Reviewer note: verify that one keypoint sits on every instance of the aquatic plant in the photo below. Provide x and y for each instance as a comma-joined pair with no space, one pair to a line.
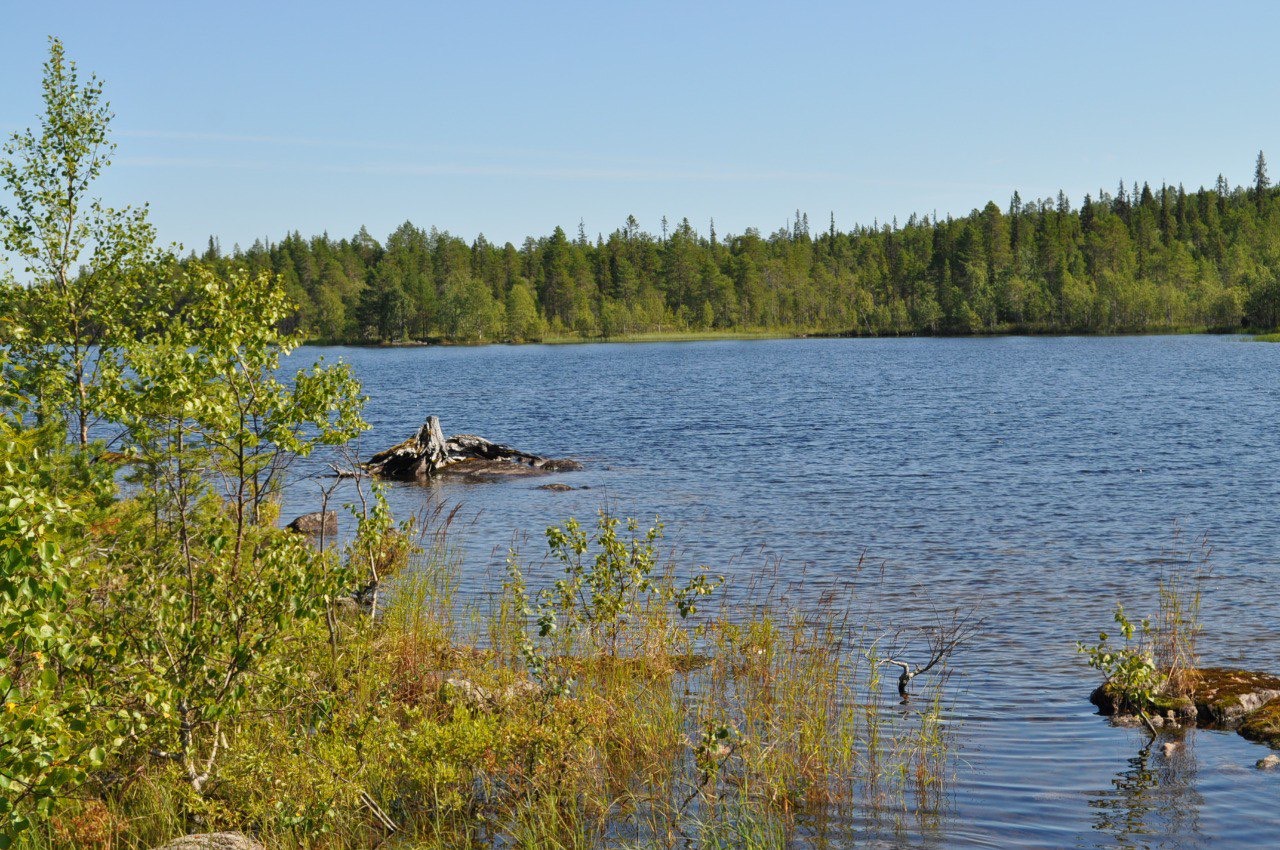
1157,666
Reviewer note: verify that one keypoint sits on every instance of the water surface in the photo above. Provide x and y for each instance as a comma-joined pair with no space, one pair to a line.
1038,479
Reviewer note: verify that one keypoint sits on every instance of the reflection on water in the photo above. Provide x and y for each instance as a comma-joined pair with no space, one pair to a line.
1032,479
1154,801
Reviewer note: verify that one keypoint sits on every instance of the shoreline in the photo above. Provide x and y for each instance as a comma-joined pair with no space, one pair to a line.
748,336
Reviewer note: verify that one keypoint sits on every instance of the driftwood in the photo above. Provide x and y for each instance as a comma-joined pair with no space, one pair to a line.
428,454
942,641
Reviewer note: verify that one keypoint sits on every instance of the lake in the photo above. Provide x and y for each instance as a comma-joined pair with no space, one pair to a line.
1038,480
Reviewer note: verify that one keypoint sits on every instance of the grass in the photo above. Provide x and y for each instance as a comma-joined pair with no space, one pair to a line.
1178,625
1157,667
1271,337
679,336
442,725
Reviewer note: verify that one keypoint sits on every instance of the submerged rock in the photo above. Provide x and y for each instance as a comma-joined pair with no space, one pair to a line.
1112,703
554,488
1271,762
428,454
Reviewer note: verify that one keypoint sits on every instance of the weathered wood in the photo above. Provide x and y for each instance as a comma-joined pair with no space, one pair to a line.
428,454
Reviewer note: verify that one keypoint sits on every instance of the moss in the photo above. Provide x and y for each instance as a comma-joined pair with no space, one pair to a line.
1180,706
1223,695
1263,725
1111,702
1219,696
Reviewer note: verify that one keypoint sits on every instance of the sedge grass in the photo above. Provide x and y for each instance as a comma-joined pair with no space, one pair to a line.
740,727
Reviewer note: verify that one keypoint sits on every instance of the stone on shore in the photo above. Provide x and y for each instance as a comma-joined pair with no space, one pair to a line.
485,700
212,841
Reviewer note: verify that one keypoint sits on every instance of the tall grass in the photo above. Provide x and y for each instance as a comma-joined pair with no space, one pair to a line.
742,726
1178,625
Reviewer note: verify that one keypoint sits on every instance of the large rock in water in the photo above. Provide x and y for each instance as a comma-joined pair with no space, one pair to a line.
315,524
1225,696
428,453
212,841
1220,698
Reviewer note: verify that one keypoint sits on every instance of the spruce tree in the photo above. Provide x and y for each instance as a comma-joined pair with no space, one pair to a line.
1260,180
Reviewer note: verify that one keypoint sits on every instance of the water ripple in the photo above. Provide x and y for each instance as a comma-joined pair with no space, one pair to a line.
1038,479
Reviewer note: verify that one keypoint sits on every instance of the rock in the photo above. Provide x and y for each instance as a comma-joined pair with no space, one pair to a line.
554,488
212,841
1271,762
1169,748
468,693
1224,696
1221,698
1112,704
428,454
358,601
1263,724
316,524
347,606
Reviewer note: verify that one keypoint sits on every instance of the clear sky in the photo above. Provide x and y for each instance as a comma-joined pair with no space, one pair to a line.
250,119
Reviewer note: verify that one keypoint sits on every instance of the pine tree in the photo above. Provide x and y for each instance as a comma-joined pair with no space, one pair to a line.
1260,180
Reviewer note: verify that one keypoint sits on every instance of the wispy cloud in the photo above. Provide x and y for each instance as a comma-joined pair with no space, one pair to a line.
378,145
456,169
278,141
580,173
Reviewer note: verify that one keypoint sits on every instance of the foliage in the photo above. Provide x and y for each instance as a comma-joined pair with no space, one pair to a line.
209,589
1130,669
86,262
48,739
201,402
380,548
609,581
141,626
468,310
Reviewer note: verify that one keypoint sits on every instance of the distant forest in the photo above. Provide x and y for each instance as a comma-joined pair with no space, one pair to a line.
1137,260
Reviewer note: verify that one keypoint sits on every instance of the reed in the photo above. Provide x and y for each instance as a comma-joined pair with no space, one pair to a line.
607,710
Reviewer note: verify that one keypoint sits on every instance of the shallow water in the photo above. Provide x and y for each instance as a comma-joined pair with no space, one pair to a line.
1039,480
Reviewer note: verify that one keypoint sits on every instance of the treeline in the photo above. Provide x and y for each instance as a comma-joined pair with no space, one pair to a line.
1136,260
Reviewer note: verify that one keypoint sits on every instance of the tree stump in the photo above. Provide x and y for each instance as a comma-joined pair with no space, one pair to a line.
428,454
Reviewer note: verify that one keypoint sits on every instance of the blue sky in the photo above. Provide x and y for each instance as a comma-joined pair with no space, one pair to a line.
247,120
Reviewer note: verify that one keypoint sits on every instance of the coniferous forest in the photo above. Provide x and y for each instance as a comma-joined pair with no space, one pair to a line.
1136,260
